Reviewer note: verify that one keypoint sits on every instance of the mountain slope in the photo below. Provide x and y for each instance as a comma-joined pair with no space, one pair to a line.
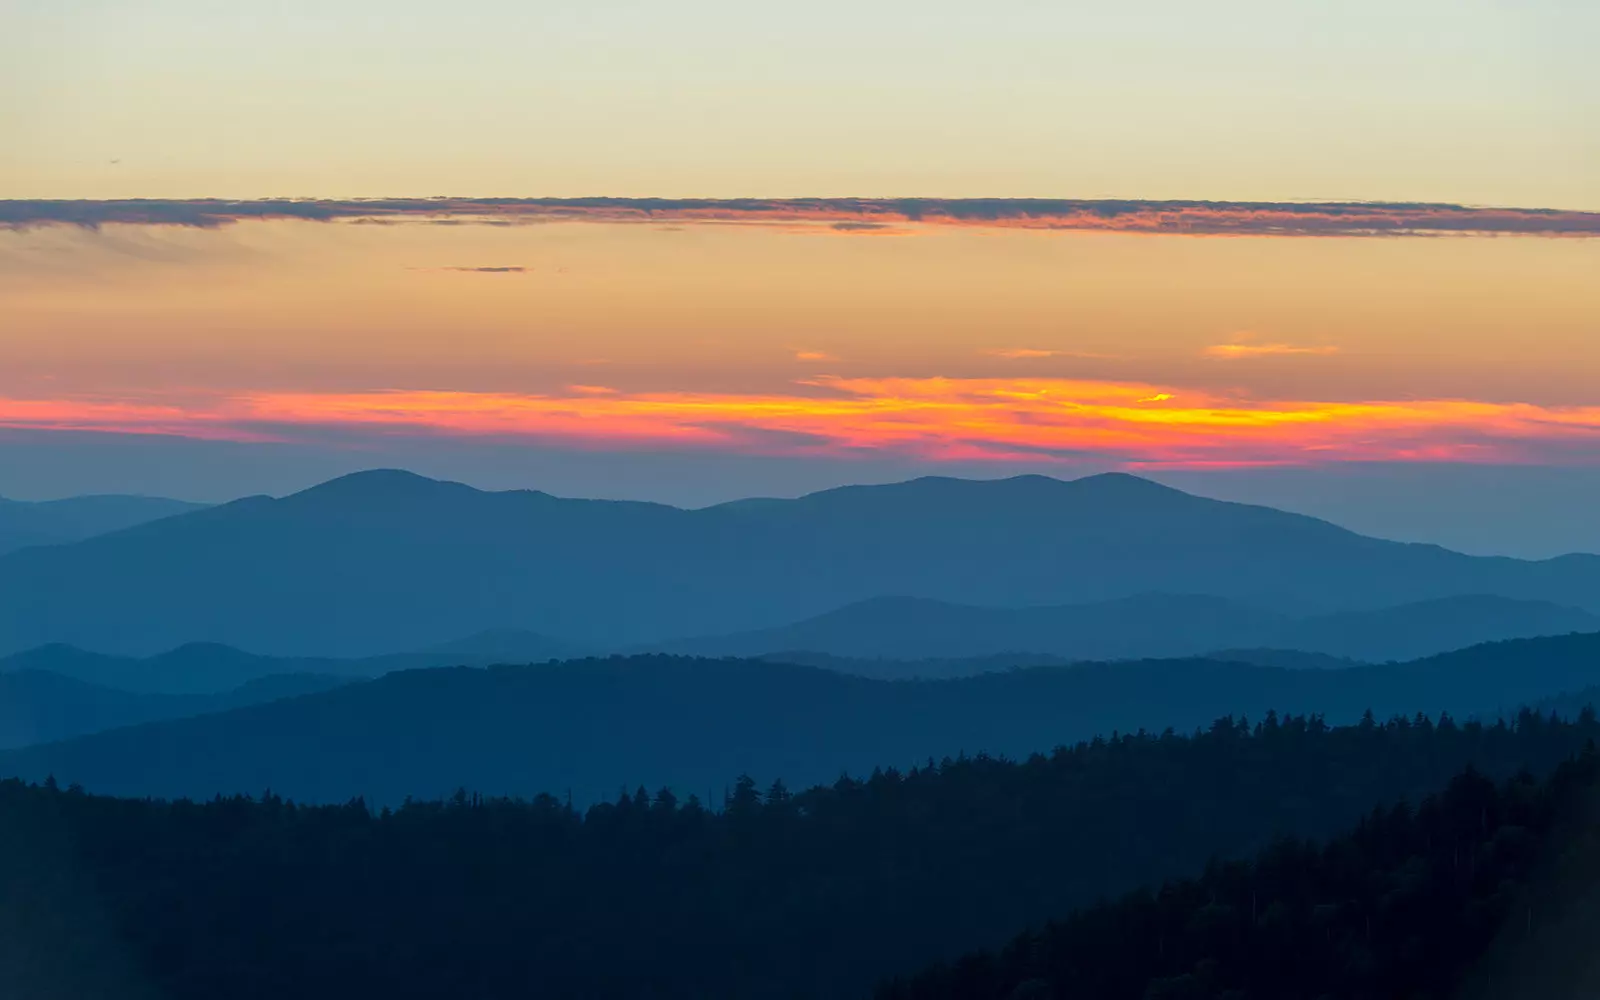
56,522
1390,909
907,628
1146,626
39,707
211,668
387,560
1427,627
593,726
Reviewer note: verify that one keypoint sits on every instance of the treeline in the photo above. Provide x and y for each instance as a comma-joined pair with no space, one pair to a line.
1407,906
772,894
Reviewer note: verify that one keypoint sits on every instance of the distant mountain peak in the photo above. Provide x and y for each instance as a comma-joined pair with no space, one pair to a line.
382,485
1124,479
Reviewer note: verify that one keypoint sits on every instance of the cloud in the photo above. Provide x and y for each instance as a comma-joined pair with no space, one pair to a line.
924,419
1034,353
1021,353
497,269
844,215
1248,350
814,356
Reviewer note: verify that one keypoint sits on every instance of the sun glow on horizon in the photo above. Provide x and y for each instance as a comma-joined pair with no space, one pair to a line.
971,419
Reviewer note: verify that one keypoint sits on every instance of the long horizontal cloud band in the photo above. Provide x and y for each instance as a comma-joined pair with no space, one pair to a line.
934,418
845,214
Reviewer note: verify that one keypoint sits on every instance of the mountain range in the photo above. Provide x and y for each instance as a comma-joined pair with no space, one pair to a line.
383,561
588,727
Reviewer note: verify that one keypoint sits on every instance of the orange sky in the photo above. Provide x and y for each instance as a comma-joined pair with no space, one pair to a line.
939,342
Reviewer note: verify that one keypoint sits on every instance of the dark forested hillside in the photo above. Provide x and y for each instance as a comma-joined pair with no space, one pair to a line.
386,560
778,893
1404,906
590,725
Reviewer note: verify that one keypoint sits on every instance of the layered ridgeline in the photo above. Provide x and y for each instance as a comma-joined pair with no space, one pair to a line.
910,637
1150,625
37,706
820,893
587,727
387,560
58,692
57,522
211,668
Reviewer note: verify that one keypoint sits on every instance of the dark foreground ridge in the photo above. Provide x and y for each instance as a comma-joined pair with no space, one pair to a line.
1404,906
818,894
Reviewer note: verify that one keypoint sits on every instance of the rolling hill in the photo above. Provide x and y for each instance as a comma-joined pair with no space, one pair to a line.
56,522
387,560
210,668
593,726
39,707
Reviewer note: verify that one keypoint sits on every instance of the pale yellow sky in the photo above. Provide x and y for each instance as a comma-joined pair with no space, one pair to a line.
1472,101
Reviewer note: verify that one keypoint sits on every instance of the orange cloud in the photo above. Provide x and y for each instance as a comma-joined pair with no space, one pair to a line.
1245,350
814,356
934,418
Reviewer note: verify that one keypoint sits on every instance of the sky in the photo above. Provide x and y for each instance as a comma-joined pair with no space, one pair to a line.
810,265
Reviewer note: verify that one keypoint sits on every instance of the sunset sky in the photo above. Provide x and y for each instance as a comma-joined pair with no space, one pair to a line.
693,351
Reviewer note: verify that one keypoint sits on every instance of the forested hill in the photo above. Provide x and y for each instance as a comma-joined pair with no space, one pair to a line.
1405,906
820,893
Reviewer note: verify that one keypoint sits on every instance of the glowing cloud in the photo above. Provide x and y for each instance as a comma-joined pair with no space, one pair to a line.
1248,350
814,356
934,418
1021,353
1036,353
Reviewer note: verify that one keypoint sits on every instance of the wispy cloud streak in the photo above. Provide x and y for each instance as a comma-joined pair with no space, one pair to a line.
1245,350
843,215
1136,424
